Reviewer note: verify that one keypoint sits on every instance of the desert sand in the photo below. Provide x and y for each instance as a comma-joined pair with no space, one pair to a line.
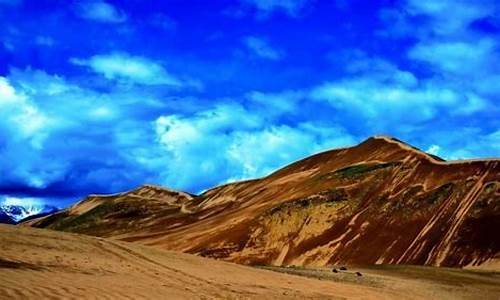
45,264
418,281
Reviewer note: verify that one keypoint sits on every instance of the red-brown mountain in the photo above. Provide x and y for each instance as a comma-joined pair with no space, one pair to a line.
380,202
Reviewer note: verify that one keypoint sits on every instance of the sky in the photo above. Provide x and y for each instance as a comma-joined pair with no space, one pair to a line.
102,96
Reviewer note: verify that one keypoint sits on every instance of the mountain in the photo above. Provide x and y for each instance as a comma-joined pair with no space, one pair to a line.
17,213
380,202
5,218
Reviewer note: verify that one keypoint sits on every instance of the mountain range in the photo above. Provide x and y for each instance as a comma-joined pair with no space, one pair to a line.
12,214
380,202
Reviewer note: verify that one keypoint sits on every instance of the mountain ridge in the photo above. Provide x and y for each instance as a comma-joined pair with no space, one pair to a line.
379,202
12,214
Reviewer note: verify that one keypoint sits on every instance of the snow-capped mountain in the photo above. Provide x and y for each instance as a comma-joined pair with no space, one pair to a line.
21,212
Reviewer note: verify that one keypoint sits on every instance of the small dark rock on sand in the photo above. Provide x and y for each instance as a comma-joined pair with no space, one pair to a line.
358,274
343,268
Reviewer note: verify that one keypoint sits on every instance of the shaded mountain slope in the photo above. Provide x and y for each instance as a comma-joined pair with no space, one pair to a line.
5,218
382,201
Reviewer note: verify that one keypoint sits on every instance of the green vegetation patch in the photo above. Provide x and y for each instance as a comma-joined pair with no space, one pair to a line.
329,197
93,217
414,202
361,169
334,195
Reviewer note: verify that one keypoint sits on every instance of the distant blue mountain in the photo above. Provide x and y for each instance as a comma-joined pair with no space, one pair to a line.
5,218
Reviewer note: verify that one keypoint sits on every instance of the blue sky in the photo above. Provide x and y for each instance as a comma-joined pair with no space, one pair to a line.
102,96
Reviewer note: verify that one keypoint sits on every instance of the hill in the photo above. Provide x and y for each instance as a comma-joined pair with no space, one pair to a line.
380,202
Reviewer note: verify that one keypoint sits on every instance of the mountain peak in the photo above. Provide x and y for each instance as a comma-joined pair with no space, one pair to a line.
391,141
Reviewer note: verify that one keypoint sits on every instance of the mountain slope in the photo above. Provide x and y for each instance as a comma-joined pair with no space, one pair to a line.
382,201
5,218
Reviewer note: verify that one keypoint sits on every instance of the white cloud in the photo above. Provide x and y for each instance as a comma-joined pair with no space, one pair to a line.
468,142
434,150
451,54
7,92
26,128
450,16
18,201
260,153
456,57
134,69
360,64
261,48
447,41
276,103
385,103
229,142
379,94
52,130
18,113
100,11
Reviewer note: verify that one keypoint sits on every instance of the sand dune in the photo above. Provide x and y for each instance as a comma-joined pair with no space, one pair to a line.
44,264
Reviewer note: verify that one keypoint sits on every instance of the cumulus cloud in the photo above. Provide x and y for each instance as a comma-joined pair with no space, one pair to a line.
261,48
458,62
260,153
457,57
24,130
230,142
433,149
99,11
277,103
93,141
385,103
124,120
447,41
468,142
24,201
128,68
450,17
20,115
381,94
59,140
